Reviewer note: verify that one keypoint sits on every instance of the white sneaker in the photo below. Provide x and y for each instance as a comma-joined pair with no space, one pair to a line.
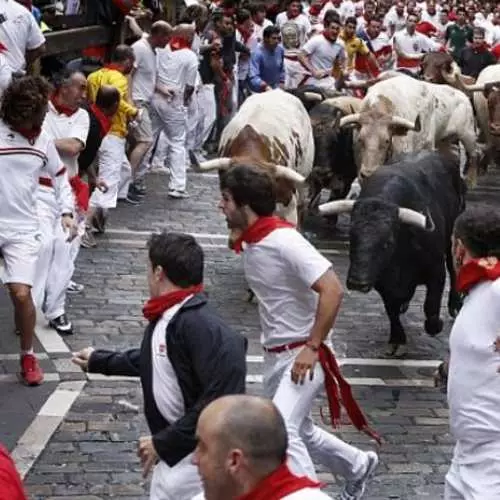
354,490
74,287
174,193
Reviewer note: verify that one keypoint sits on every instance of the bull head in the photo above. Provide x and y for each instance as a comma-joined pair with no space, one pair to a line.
406,215
455,78
280,171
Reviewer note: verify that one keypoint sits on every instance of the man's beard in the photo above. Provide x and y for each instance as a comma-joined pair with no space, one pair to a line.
239,220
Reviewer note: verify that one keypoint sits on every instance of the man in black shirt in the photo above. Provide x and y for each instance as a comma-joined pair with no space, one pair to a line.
474,58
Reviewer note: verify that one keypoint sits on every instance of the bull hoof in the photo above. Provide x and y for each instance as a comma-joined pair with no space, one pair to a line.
396,351
404,307
433,326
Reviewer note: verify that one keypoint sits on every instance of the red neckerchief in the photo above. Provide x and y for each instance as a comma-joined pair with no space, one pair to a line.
178,43
115,66
245,35
80,192
477,270
61,108
290,16
31,134
335,383
3,48
11,486
156,306
279,484
314,10
484,47
104,121
259,230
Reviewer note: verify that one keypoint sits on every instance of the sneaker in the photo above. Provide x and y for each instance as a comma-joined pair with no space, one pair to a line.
174,193
131,199
353,490
61,325
74,287
88,239
137,190
31,373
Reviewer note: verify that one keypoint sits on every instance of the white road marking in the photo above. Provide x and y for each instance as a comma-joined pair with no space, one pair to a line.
408,363
37,435
15,357
13,377
51,341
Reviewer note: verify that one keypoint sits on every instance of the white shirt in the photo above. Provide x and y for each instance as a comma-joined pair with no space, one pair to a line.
243,65
258,29
61,126
5,74
302,21
144,79
322,56
166,390
473,380
411,44
19,32
280,269
345,10
22,166
176,69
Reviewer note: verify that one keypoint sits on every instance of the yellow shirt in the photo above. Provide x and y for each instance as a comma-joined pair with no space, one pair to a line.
353,46
114,78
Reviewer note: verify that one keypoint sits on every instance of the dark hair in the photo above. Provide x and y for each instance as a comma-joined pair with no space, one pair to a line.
107,97
180,256
251,186
64,76
461,9
479,230
242,15
257,7
162,28
478,31
269,31
259,430
122,53
351,20
24,99
377,18
331,16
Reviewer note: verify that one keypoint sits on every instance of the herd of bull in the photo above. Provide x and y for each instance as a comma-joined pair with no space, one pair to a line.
388,161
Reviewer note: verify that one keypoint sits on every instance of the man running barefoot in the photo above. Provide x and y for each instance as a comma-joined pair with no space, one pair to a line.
299,296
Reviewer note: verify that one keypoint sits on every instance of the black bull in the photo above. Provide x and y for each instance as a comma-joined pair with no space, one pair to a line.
393,249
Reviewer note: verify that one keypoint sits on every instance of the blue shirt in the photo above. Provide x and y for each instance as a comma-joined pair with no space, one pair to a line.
266,67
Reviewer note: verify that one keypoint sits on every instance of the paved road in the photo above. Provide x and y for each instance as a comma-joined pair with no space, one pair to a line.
82,442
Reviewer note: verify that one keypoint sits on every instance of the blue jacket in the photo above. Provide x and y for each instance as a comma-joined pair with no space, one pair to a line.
266,67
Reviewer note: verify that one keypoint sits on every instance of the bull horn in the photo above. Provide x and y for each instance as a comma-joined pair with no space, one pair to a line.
480,87
409,216
454,79
336,207
349,120
399,121
288,173
215,164
313,96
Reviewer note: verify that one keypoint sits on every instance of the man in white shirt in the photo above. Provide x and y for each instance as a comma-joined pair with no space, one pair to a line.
68,124
294,14
299,297
344,9
27,153
395,19
143,86
177,71
233,464
260,22
323,54
474,365
411,46
20,34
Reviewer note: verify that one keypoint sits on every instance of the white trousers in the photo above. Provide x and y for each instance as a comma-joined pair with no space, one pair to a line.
180,482
478,481
171,118
306,441
207,114
193,121
55,265
114,169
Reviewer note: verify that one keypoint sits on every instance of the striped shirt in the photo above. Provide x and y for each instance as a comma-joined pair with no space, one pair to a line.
21,166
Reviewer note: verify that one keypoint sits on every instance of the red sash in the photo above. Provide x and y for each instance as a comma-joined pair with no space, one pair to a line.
279,484
476,271
156,306
81,192
259,230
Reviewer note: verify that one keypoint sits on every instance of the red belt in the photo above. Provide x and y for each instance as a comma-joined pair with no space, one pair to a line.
285,347
337,388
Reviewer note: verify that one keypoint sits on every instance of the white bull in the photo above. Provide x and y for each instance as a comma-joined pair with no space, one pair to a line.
403,115
272,130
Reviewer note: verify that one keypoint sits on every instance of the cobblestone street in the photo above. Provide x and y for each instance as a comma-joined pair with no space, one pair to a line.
76,435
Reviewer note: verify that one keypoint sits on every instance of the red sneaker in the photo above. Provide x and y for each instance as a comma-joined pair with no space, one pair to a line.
31,372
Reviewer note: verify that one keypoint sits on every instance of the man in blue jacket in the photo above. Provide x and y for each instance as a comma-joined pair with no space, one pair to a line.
267,67
188,358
